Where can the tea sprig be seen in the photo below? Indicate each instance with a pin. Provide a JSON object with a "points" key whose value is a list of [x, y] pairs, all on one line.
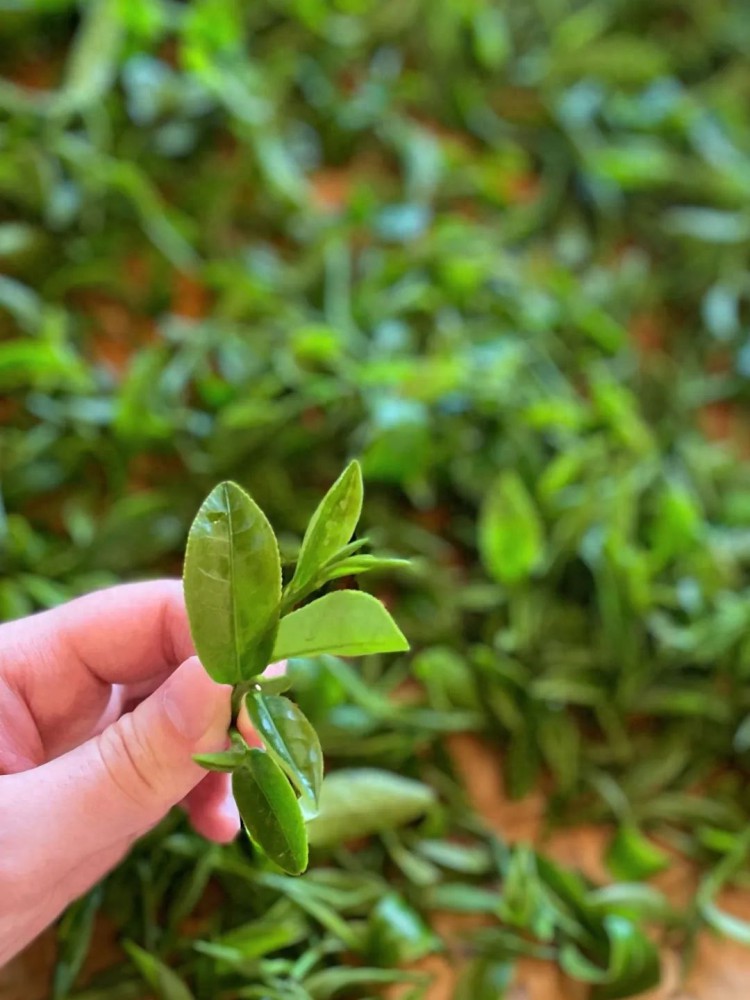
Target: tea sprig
{"points": [[241, 620]]}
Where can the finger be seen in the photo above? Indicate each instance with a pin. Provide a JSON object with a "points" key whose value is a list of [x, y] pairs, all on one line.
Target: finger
{"points": [[275, 669], [33, 896], [66, 822], [122, 635], [122, 782], [63, 661], [212, 810]]}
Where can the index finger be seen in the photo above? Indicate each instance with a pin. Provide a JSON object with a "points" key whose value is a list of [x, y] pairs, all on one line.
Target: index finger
{"points": [[123, 635]]}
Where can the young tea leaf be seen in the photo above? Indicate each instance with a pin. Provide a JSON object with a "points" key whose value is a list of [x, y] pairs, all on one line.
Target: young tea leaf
{"points": [[632, 857], [509, 530], [92, 64], [485, 979], [274, 685], [349, 550], [727, 924], [633, 961], [232, 583], [397, 933], [356, 564], [328, 983], [359, 802], [331, 526], [290, 739], [224, 760], [165, 983], [74, 931], [270, 811], [346, 623]]}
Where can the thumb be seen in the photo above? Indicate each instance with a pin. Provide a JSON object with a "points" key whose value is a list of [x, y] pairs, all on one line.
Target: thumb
{"points": [[126, 779], [65, 823]]}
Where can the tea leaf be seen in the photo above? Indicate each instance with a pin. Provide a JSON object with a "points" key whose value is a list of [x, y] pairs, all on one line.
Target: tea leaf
{"points": [[509, 530], [75, 933], [485, 979], [330, 982], [634, 900], [270, 811], [731, 926], [165, 983], [331, 526], [93, 60], [224, 760], [290, 739], [354, 565], [274, 685], [346, 623], [397, 933], [631, 963], [358, 802], [232, 584], [632, 857]]}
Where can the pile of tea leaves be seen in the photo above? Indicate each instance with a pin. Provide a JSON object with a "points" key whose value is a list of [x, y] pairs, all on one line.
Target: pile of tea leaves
{"points": [[499, 253]]}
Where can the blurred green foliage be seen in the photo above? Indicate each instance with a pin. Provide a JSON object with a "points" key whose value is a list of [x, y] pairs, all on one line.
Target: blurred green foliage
{"points": [[499, 251]]}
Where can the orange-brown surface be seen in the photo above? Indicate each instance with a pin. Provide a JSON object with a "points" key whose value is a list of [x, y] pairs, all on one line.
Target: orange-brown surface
{"points": [[721, 970]]}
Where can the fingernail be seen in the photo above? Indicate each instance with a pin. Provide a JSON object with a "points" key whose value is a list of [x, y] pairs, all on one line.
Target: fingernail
{"points": [[194, 704]]}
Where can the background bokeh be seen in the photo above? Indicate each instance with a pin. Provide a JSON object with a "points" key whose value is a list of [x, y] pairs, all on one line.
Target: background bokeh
{"points": [[497, 250]]}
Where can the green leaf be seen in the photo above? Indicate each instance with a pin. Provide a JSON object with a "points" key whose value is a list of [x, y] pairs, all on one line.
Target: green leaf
{"points": [[631, 857], [485, 979], [165, 983], [633, 961], [92, 64], [492, 38], [349, 550], [274, 685], [27, 309], [74, 933], [323, 907], [290, 739], [628, 963], [270, 811], [277, 928], [633, 900], [329, 982], [224, 760], [578, 966], [354, 565], [346, 623], [45, 365], [730, 926], [232, 583], [677, 522], [359, 802], [397, 933], [257, 938], [510, 537], [331, 526], [468, 859], [463, 897]]}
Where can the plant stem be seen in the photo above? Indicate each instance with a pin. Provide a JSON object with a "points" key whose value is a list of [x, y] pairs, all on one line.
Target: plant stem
{"points": [[238, 693]]}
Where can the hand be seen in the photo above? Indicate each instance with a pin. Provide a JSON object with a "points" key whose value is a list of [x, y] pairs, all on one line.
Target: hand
{"points": [[102, 704]]}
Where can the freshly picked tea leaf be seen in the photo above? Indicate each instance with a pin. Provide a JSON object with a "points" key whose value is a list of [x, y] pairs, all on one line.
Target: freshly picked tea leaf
{"points": [[269, 811], [232, 582]]}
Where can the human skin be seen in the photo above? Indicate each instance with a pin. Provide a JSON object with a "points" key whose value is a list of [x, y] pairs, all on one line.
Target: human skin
{"points": [[102, 705]]}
